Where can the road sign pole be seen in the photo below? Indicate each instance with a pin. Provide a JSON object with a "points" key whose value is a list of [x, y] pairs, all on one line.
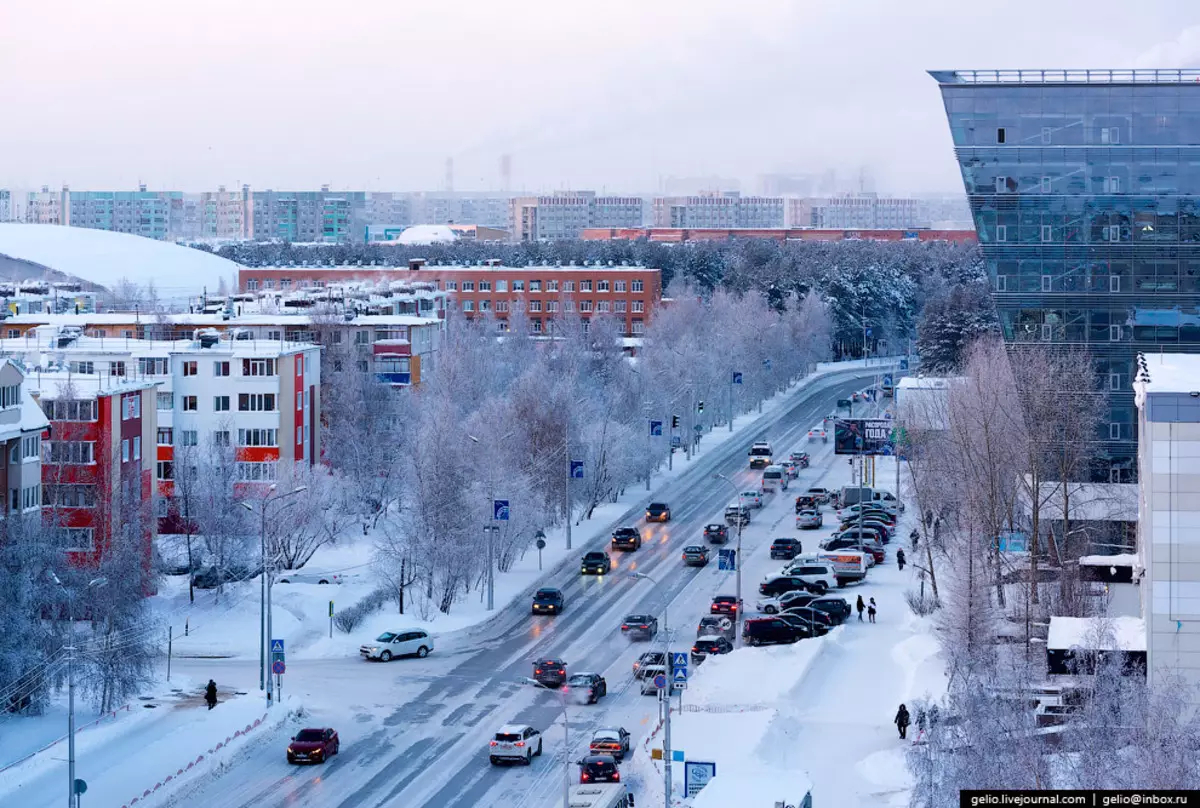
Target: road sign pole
{"points": [[667, 741]]}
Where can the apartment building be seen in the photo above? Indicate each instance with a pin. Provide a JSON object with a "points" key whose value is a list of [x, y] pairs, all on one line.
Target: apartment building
{"points": [[565, 215], [628, 293], [7, 214], [674, 235], [224, 214], [22, 425], [728, 209], [866, 211], [308, 216], [48, 207]]}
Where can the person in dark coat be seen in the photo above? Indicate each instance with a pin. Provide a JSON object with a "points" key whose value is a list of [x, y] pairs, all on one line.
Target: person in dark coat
{"points": [[914, 537], [860, 606], [902, 721], [871, 610], [900, 558], [210, 694]]}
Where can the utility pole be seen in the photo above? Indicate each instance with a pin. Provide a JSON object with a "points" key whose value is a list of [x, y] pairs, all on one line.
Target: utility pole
{"points": [[567, 480], [687, 439], [72, 791], [490, 528], [732, 376]]}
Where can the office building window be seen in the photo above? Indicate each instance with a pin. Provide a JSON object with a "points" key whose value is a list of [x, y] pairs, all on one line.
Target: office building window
{"points": [[137, 448], [468, 305], [637, 306], [220, 438], [601, 286], [585, 286], [551, 286], [256, 402], [501, 286], [188, 403]]}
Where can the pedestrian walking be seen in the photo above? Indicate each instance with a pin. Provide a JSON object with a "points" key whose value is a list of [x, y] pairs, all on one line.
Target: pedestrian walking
{"points": [[871, 610], [902, 721], [210, 694], [914, 537], [860, 606], [900, 558]]}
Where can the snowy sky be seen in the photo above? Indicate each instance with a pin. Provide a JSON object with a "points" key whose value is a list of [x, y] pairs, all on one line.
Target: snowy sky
{"points": [[604, 94]]}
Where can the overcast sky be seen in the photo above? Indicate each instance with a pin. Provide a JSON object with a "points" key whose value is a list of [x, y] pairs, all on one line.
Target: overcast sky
{"points": [[611, 95]]}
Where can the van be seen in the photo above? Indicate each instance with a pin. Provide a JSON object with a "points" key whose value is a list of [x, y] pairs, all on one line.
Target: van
{"points": [[774, 478], [854, 494]]}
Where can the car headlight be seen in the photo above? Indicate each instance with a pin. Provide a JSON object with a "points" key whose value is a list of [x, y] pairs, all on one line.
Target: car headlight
{"points": [[291, 750]]}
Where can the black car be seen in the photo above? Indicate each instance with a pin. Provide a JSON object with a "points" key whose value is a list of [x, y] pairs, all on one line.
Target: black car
{"points": [[626, 538], [800, 459], [782, 583], [587, 687], [716, 534], [640, 627], [705, 646], [835, 607], [596, 562], [769, 631], [658, 512], [649, 658], [816, 617], [806, 628], [723, 604], [547, 601], [599, 769], [550, 672], [695, 555], [785, 549], [715, 625]]}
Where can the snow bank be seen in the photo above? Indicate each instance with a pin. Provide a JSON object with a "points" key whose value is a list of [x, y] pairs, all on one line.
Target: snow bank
{"points": [[774, 670], [751, 784], [1113, 634]]}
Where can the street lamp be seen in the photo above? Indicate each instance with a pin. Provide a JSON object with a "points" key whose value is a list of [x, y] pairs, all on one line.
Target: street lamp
{"points": [[264, 614], [72, 795], [737, 561], [490, 529], [562, 697], [666, 695]]}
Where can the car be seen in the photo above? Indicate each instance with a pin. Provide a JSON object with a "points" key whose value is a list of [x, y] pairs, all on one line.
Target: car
{"points": [[820, 575], [312, 578], [716, 534], [391, 644], [550, 672], [807, 502], [706, 646], [818, 433], [855, 396], [870, 509], [640, 627], [715, 625], [548, 601], [737, 515], [769, 631], [646, 676], [774, 478], [648, 658], [809, 519], [835, 607], [778, 603], [313, 745], [599, 769], [658, 512], [888, 499], [805, 625], [614, 741], [852, 540], [821, 495], [515, 743], [785, 548], [790, 469], [751, 499], [587, 688], [800, 459], [881, 531], [778, 584], [596, 562], [626, 538], [695, 555], [822, 622], [760, 455], [213, 577], [723, 604]]}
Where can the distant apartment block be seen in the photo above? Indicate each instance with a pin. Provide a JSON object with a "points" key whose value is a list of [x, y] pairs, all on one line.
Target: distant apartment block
{"points": [[725, 210], [309, 216], [867, 211], [566, 215], [6, 205], [225, 215], [490, 210], [672, 235]]}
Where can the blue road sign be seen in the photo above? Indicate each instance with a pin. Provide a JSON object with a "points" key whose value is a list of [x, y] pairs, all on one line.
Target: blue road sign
{"points": [[696, 774], [500, 510], [727, 559], [676, 441], [276, 646], [278, 668], [679, 680], [737, 378], [868, 331], [904, 364], [679, 659], [576, 469], [656, 429], [887, 379], [660, 681]]}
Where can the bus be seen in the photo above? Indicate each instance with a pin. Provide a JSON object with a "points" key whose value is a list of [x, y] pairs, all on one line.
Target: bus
{"points": [[600, 795]]}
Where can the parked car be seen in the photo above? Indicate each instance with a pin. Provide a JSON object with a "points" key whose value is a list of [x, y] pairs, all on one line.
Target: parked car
{"points": [[658, 512], [888, 499], [790, 469], [596, 562], [587, 688], [821, 495], [785, 548], [212, 577], [751, 499], [723, 604], [778, 584], [648, 658], [769, 631], [391, 644], [313, 745], [822, 622], [645, 676], [626, 538], [870, 509], [853, 540], [550, 672], [640, 627], [715, 625], [809, 519], [515, 743], [820, 576], [695, 555], [704, 646], [778, 603], [548, 601], [737, 515], [614, 741], [717, 534], [599, 769], [806, 625], [301, 577], [881, 532], [835, 607]]}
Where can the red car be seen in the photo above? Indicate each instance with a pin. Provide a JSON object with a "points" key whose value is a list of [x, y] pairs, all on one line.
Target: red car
{"points": [[723, 604], [312, 746]]}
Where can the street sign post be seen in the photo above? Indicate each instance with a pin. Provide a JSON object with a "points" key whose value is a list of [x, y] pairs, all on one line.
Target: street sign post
{"points": [[660, 681], [278, 667], [727, 559], [500, 510], [696, 774], [576, 469], [656, 429], [679, 670]]}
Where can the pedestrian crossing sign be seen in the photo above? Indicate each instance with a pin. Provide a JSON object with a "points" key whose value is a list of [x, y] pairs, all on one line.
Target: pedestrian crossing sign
{"points": [[679, 659], [276, 646]]}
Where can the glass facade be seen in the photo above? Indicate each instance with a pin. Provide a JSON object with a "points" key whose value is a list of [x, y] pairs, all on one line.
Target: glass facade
{"points": [[1084, 193]]}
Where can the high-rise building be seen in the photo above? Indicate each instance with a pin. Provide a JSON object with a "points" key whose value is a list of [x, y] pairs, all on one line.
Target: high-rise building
{"points": [[1080, 185], [309, 216], [867, 211], [565, 215], [725, 210], [6, 205]]}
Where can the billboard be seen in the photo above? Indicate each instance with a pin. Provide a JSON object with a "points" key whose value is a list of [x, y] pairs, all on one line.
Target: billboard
{"points": [[869, 436]]}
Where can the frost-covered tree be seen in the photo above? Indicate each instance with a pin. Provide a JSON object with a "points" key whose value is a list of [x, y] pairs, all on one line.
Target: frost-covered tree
{"points": [[953, 319]]}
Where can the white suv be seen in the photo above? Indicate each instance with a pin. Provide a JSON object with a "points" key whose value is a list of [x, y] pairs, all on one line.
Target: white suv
{"points": [[390, 644], [518, 743], [817, 574]]}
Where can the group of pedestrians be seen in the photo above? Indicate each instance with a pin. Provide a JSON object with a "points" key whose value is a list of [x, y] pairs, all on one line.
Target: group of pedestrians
{"points": [[870, 607]]}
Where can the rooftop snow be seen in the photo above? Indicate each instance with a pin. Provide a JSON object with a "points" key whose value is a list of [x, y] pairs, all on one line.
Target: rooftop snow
{"points": [[747, 783], [1093, 633], [1119, 560], [82, 385], [1170, 373], [105, 258], [202, 320], [427, 234]]}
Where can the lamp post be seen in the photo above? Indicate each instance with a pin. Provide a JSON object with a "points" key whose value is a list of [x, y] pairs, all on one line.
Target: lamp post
{"points": [[72, 796], [666, 695], [562, 697], [490, 530], [264, 615], [737, 562]]}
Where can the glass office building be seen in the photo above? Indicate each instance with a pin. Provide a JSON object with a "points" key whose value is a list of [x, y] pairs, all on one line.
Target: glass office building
{"points": [[1084, 186]]}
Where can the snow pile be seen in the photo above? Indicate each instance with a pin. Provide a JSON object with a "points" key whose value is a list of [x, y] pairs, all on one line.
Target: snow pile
{"points": [[1097, 634], [427, 234], [751, 784], [107, 258]]}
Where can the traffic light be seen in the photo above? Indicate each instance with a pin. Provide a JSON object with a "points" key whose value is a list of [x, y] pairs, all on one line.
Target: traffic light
{"points": [[674, 422], [700, 407]]}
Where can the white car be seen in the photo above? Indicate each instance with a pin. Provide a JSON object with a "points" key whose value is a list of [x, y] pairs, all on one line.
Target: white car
{"points": [[391, 644], [293, 577], [817, 433], [819, 575], [751, 499], [518, 743], [645, 676], [780, 602]]}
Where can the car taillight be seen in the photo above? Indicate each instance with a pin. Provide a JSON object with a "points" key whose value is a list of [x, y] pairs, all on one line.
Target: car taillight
{"points": [[624, 627], [584, 777], [562, 671], [616, 775], [538, 670], [519, 743], [493, 743]]}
